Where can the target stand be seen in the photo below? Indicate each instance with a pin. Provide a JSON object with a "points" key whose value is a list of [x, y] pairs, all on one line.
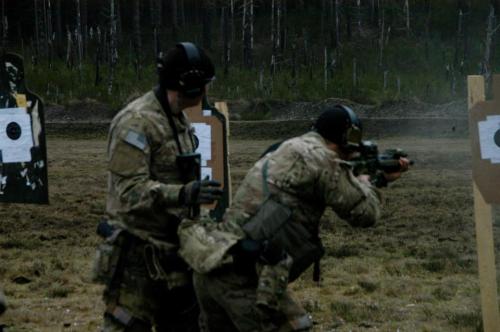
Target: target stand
{"points": [[23, 156], [484, 129]]}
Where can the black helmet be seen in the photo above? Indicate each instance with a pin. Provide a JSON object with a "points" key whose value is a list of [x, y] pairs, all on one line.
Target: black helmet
{"points": [[185, 68], [340, 125]]}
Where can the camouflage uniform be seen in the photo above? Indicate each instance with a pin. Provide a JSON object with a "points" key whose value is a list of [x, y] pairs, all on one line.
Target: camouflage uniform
{"points": [[154, 285], [306, 176]]}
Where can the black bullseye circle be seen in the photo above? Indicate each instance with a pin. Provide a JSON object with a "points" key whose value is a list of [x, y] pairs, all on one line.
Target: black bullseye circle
{"points": [[496, 138], [14, 131]]}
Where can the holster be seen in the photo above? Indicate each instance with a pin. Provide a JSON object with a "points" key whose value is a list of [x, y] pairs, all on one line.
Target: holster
{"points": [[107, 259]]}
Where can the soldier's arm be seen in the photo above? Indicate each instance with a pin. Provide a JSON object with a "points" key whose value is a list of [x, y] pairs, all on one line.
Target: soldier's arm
{"points": [[355, 201], [129, 156]]}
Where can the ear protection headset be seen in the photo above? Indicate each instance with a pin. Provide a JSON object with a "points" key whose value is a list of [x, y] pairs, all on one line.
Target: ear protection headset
{"points": [[353, 135], [191, 82], [340, 125]]}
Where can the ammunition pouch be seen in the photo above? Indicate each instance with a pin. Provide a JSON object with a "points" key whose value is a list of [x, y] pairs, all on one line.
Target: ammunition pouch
{"points": [[281, 236], [107, 257]]}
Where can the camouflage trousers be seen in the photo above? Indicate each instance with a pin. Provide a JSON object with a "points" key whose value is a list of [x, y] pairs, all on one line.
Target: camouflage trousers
{"points": [[144, 303], [228, 303]]}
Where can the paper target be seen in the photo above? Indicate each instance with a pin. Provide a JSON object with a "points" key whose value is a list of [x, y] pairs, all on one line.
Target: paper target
{"points": [[23, 157]]}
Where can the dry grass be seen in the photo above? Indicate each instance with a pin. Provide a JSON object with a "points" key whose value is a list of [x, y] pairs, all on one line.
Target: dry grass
{"points": [[415, 271]]}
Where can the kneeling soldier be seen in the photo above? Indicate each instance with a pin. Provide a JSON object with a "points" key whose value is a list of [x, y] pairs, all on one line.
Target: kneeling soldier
{"points": [[275, 214]]}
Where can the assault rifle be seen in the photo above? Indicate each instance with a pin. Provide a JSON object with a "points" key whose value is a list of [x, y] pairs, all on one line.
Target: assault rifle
{"points": [[373, 163]]}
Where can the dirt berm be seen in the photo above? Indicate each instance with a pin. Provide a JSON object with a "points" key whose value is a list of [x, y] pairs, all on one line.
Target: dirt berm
{"points": [[279, 120]]}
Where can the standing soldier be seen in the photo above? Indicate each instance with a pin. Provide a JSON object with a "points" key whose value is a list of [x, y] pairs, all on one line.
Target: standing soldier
{"points": [[276, 213], [153, 183]]}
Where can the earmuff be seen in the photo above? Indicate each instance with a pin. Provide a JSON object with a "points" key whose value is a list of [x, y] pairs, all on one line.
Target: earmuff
{"points": [[191, 82], [353, 135]]}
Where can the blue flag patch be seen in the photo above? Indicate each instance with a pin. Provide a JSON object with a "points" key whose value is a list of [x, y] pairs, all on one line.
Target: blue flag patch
{"points": [[136, 139]]}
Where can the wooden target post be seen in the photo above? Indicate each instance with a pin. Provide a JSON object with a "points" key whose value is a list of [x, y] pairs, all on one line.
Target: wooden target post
{"points": [[211, 127], [484, 124]]}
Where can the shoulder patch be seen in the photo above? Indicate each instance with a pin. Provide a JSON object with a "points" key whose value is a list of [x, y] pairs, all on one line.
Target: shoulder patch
{"points": [[136, 139]]}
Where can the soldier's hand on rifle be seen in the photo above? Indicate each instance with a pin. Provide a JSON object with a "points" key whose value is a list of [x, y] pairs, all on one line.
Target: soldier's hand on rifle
{"points": [[200, 192], [393, 176]]}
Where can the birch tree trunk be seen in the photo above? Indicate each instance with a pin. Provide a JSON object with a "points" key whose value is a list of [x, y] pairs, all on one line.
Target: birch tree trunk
{"points": [[427, 29], [58, 28], [247, 38], [251, 20], [69, 50], [84, 27], [159, 16], [358, 6], [407, 12], [175, 21], [182, 13], [305, 35], [154, 15], [98, 57], [79, 37], [490, 31], [49, 34], [113, 58], [354, 73], [207, 25], [348, 23], [325, 70], [226, 40], [294, 64], [337, 24], [137, 35], [324, 17], [5, 26], [459, 37], [43, 29], [273, 30], [331, 20], [233, 30], [278, 24], [119, 25], [381, 40], [37, 32]]}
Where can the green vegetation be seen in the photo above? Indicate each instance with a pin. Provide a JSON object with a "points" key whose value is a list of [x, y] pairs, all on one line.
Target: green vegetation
{"points": [[426, 81], [430, 62]]}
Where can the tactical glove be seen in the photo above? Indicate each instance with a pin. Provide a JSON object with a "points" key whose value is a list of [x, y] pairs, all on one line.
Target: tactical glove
{"points": [[200, 192]]}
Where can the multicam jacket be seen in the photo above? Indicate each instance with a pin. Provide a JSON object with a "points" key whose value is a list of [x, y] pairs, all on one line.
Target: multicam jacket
{"points": [[144, 182], [306, 176]]}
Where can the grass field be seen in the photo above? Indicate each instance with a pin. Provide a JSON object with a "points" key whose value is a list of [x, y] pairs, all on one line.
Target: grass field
{"points": [[414, 271]]}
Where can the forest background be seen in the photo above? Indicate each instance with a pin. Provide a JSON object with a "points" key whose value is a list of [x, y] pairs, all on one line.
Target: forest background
{"points": [[369, 51]]}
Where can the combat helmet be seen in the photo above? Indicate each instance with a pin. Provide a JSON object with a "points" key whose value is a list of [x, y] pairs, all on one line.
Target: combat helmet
{"points": [[185, 68], [340, 125]]}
